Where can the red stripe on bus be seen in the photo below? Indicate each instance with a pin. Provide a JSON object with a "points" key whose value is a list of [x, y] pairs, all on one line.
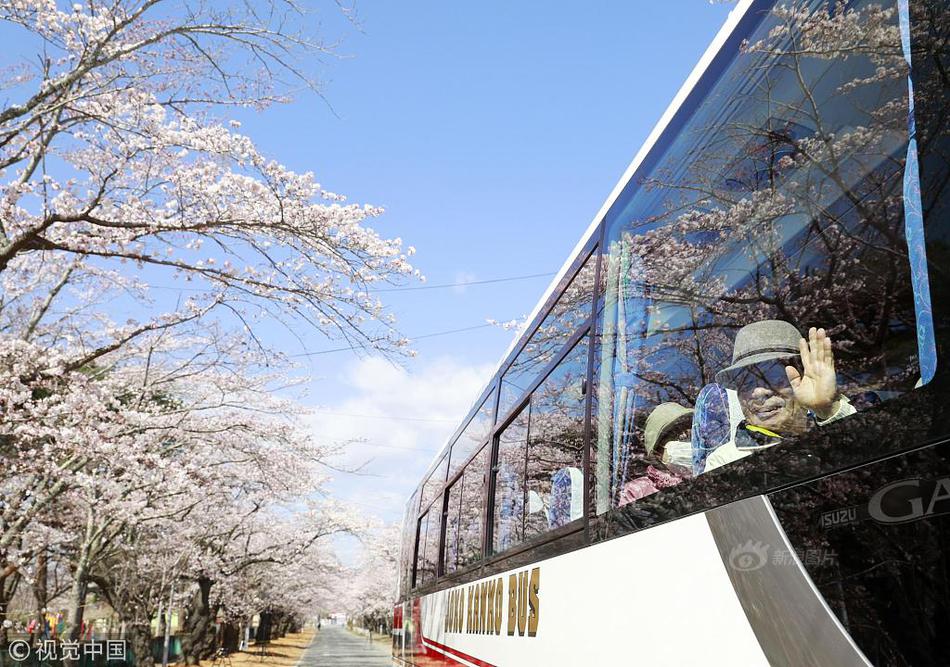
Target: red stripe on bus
{"points": [[457, 654]]}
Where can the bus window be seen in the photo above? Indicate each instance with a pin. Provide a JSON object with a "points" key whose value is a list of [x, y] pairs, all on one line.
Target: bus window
{"points": [[570, 312], [420, 570], [779, 204], [474, 435], [555, 446], [508, 523], [434, 482], [433, 535], [406, 543], [470, 522], [450, 557]]}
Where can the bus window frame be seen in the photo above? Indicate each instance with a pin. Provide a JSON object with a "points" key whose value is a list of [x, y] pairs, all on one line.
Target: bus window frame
{"points": [[451, 476], [591, 250], [415, 552], [488, 547]]}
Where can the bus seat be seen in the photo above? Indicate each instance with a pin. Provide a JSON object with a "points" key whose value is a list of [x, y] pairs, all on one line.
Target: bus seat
{"points": [[567, 496], [866, 399], [510, 505], [716, 416], [535, 502], [536, 516]]}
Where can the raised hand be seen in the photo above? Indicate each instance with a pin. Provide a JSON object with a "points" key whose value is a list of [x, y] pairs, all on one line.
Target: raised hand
{"points": [[816, 387]]}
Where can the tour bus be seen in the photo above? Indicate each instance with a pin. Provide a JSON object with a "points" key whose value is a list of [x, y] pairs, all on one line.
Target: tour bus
{"points": [[723, 435]]}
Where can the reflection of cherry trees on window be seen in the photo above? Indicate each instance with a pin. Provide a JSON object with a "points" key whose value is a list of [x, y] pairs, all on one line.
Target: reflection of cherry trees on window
{"points": [[420, 573], [434, 482], [408, 534], [538, 483], [474, 435], [571, 311], [450, 557], [463, 523], [555, 443], [508, 520], [427, 554], [781, 198], [433, 536], [470, 522]]}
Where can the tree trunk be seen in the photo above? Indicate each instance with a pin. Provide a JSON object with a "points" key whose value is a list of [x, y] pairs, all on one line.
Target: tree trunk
{"points": [[4, 639], [230, 637], [197, 640], [8, 585], [277, 630], [40, 594], [264, 628], [76, 609], [140, 640], [76, 605]]}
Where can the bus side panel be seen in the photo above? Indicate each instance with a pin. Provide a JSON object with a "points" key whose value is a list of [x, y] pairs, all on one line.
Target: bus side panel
{"points": [[876, 542], [658, 597]]}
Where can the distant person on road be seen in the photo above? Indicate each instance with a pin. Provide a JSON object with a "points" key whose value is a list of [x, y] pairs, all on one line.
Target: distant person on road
{"points": [[785, 384]]}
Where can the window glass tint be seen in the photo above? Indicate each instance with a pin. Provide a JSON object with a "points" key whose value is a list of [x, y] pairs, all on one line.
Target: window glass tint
{"points": [[470, 522], [779, 205], [434, 483], [568, 314], [474, 436], [555, 486], [450, 557], [406, 545], [430, 561], [421, 573], [508, 524]]}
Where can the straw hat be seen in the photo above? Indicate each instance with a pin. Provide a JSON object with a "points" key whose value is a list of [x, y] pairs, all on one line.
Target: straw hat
{"points": [[660, 420], [758, 342]]}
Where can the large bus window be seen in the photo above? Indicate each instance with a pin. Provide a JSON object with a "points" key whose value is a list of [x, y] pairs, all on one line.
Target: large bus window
{"points": [[508, 520], [421, 574], [470, 522], [405, 549], [474, 436], [434, 482], [569, 313], [430, 562], [777, 212], [452, 510], [555, 481]]}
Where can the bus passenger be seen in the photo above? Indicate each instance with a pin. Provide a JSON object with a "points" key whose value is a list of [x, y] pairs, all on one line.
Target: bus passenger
{"points": [[665, 438], [784, 383]]}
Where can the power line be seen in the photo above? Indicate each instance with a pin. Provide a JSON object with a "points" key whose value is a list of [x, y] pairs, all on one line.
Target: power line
{"points": [[415, 338], [490, 281], [405, 419], [409, 449], [464, 283]]}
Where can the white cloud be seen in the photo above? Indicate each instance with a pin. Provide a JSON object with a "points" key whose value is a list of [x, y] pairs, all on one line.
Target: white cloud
{"points": [[402, 418], [462, 277]]}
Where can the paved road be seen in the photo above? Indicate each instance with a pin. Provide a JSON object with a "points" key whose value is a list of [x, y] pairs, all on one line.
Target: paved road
{"points": [[335, 646]]}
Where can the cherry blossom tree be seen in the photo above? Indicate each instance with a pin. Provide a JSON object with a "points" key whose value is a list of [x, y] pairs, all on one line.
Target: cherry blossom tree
{"points": [[153, 450], [369, 587]]}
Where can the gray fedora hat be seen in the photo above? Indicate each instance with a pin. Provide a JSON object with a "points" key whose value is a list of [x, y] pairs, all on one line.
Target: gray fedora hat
{"points": [[660, 420], [758, 342]]}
